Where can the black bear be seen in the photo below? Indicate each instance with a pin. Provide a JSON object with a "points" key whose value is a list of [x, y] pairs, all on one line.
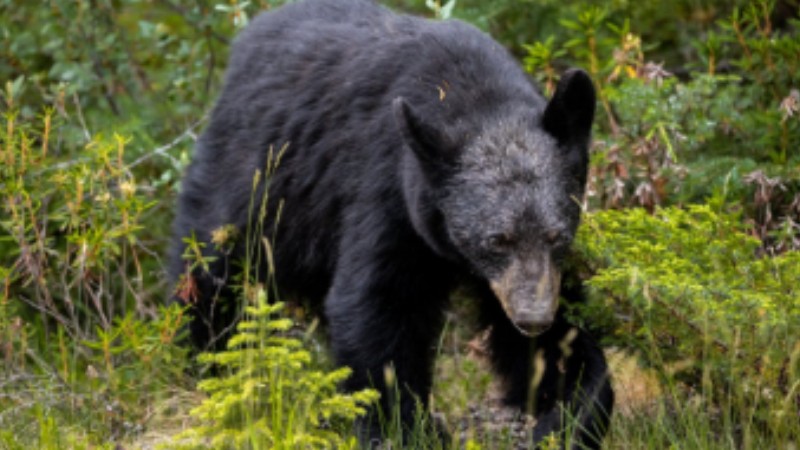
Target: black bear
{"points": [[419, 157]]}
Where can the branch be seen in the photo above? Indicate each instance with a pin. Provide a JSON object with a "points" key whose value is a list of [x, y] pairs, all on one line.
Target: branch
{"points": [[162, 151]]}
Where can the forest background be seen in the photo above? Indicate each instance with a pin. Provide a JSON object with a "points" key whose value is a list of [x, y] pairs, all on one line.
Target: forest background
{"points": [[689, 245]]}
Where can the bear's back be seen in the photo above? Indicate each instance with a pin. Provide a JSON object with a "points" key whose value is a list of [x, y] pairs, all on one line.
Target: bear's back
{"points": [[342, 62], [319, 77]]}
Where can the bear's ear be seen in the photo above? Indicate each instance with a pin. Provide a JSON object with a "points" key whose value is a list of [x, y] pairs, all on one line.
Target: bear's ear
{"points": [[568, 117], [430, 144]]}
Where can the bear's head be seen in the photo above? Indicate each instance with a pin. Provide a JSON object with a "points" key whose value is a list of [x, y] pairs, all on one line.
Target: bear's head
{"points": [[504, 201]]}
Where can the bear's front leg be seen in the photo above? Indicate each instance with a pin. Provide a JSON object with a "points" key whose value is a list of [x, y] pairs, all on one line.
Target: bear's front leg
{"points": [[560, 376], [385, 312]]}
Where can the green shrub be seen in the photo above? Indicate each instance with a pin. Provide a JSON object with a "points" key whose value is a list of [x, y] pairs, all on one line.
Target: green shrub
{"points": [[669, 27], [687, 291], [70, 233], [732, 118], [266, 394], [83, 345]]}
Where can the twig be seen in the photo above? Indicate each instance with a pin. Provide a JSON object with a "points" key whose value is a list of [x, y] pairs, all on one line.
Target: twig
{"points": [[78, 109], [162, 151]]}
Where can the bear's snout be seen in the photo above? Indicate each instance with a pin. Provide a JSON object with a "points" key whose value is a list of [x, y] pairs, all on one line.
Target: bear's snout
{"points": [[528, 291]]}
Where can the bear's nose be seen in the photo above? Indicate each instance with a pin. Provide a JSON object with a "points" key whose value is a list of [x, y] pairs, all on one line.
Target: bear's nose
{"points": [[531, 324]]}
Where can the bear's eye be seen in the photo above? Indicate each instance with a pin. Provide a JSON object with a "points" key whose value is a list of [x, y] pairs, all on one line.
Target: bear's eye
{"points": [[554, 237], [500, 241]]}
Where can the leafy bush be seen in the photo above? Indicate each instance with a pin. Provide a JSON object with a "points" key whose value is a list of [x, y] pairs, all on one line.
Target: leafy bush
{"points": [[669, 27], [70, 234], [268, 396], [686, 290], [75, 267], [732, 118], [120, 60]]}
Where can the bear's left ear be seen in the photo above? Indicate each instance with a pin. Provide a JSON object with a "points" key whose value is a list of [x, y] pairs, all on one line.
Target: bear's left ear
{"points": [[429, 143], [569, 114]]}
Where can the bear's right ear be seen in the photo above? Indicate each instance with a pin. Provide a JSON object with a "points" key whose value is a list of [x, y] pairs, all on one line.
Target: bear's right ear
{"points": [[429, 143]]}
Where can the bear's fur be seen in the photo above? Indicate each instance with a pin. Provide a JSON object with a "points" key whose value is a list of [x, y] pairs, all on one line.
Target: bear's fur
{"points": [[419, 157]]}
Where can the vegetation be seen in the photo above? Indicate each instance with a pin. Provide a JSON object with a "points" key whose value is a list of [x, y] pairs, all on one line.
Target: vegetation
{"points": [[718, 327], [689, 244], [270, 397]]}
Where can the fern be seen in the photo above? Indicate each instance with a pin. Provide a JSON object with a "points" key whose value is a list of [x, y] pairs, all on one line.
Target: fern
{"points": [[267, 394]]}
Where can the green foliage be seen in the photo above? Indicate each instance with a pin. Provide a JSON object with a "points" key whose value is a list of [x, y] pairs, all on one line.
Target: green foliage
{"points": [[101, 102], [123, 60], [540, 61], [268, 396], [144, 69], [668, 27], [81, 394], [732, 121], [770, 61], [51, 436], [73, 277], [687, 291], [70, 233], [748, 111]]}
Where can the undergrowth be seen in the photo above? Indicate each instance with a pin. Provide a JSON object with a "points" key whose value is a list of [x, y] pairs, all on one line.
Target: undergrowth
{"points": [[685, 291], [268, 396], [689, 245]]}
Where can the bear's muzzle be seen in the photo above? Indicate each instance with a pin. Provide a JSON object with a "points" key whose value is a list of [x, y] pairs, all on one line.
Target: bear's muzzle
{"points": [[528, 291]]}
